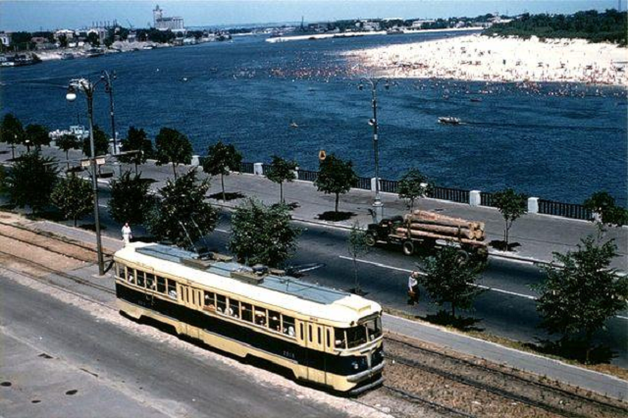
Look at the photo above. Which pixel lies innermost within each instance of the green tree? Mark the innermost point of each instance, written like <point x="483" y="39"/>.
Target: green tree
<point x="93" y="39"/>
<point x="67" y="142"/>
<point x="262" y="234"/>
<point x="136" y="140"/>
<point x="577" y="298"/>
<point x="73" y="196"/>
<point x="36" y="135"/>
<point x="357" y="247"/>
<point x="173" y="147"/>
<point x="182" y="211"/>
<point x="63" y="41"/>
<point x="603" y="204"/>
<point x="101" y="143"/>
<point x="131" y="200"/>
<point x="335" y="176"/>
<point x="3" y="180"/>
<point x="412" y="185"/>
<point x="221" y="159"/>
<point x="511" y="205"/>
<point x="31" y="181"/>
<point x="11" y="132"/>
<point x="448" y="279"/>
<point x="281" y="170"/>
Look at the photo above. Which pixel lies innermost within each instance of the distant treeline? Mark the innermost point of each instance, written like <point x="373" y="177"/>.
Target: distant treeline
<point x="596" y="27"/>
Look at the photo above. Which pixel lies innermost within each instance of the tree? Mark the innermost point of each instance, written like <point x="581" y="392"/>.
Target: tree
<point x="37" y="135"/>
<point x="578" y="298"/>
<point x="182" y="211"/>
<point x="101" y="143"/>
<point x="221" y="159"/>
<point x="412" y="185"/>
<point x="63" y="41"/>
<point x="262" y="234"/>
<point x="67" y="142"/>
<point x="335" y="176"/>
<point x="357" y="246"/>
<point x="130" y="199"/>
<point x="511" y="205"/>
<point x="281" y="170"/>
<point x="603" y="204"/>
<point x="31" y="181"/>
<point x="93" y="39"/>
<point x="11" y="132"/>
<point x="173" y="147"/>
<point x="73" y="196"/>
<point x="448" y="279"/>
<point x="136" y="140"/>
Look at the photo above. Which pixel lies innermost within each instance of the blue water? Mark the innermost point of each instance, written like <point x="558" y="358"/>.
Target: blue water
<point x="248" y="92"/>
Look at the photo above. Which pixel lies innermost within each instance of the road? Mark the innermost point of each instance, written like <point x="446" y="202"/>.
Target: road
<point x="120" y="368"/>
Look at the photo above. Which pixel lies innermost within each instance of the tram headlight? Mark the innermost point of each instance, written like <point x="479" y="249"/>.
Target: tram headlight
<point x="355" y="364"/>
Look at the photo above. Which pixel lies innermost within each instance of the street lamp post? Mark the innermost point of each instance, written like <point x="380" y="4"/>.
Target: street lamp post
<point x="378" y="205"/>
<point x="88" y="88"/>
<point x="108" y="78"/>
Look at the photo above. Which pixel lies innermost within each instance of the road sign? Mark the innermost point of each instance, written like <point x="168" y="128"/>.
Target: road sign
<point x="87" y="162"/>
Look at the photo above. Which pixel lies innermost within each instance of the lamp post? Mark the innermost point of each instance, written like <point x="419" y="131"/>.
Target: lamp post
<point x="378" y="206"/>
<point x="108" y="78"/>
<point x="87" y="87"/>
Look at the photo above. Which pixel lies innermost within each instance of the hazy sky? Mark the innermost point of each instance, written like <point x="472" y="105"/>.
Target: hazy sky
<point x="34" y="15"/>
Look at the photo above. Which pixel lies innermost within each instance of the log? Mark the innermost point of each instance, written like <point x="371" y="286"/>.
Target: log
<point x="423" y="234"/>
<point x="444" y="230"/>
<point x="419" y="215"/>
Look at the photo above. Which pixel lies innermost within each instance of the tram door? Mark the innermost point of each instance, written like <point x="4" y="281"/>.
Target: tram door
<point x="191" y="299"/>
<point x="316" y="354"/>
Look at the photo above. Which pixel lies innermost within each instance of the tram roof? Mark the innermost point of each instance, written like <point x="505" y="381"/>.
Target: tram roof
<point x="350" y="305"/>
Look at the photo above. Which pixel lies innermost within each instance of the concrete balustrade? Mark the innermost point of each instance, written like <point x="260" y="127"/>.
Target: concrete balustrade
<point x="258" y="169"/>
<point x="475" y="198"/>
<point x="195" y="161"/>
<point x="533" y="205"/>
<point x="373" y="183"/>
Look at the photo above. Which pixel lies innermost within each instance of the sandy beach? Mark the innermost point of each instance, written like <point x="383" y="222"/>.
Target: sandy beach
<point x="483" y="58"/>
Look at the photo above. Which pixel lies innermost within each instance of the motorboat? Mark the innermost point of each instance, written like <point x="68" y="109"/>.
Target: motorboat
<point x="449" y="120"/>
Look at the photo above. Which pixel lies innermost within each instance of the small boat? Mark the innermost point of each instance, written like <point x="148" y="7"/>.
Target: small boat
<point x="476" y="99"/>
<point x="293" y="124"/>
<point x="449" y="120"/>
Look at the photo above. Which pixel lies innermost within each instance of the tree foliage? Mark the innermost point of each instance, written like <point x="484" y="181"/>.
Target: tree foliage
<point x="603" y="204"/>
<point x="136" y="140"/>
<point x="412" y="185"/>
<point x="335" y="176"/>
<point x="279" y="171"/>
<point x="448" y="279"/>
<point x="357" y="247"/>
<point x="73" y="196"/>
<point x="130" y="199"/>
<point x="511" y="205"/>
<point x="11" y="131"/>
<point x="66" y="142"/>
<point x="93" y="39"/>
<point x="101" y="143"/>
<point x="182" y="211"/>
<point x="262" y="234"/>
<point x="173" y="148"/>
<point x="37" y="135"/>
<point x="221" y="159"/>
<point x="578" y="298"/>
<point x="31" y="181"/>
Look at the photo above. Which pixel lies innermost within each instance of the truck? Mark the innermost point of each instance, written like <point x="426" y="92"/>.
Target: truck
<point x="423" y="230"/>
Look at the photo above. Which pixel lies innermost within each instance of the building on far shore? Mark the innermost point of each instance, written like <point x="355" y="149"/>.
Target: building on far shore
<point x="174" y="24"/>
<point x="5" y="38"/>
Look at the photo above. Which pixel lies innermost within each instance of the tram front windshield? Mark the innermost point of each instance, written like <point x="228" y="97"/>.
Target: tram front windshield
<point x="367" y="331"/>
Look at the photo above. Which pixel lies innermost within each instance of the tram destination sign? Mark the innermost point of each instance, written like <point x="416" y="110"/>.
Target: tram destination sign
<point x="87" y="162"/>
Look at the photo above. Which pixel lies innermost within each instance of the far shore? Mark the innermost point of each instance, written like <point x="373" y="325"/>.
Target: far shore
<point x="320" y="36"/>
<point x="497" y="59"/>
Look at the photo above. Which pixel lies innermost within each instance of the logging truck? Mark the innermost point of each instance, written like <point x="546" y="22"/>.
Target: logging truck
<point x="427" y="230"/>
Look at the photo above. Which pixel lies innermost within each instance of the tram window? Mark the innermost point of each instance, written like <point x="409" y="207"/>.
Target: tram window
<point x="302" y="333"/>
<point x="161" y="284"/>
<point x="234" y="308"/>
<point x="374" y="328"/>
<point x="328" y="339"/>
<point x="356" y="336"/>
<point x="288" y="325"/>
<point x="340" y="338"/>
<point x="140" y="278"/>
<point x="320" y="339"/>
<point x="260" y="316"/>
<point x="274" y="322"/>
<point x="121" y="271"/>
<point x="131" y="275"/>
<point x="209" y="299"/>
<point x="172" y="289"/>
<point x="150" y="281"/>
<point x="311" y="337"/>
<point x="247" y="312"/>
<point x="221" y="303"/>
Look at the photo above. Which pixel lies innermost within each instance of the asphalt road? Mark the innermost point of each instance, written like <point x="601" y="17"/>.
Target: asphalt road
<point x="151" y="378"/>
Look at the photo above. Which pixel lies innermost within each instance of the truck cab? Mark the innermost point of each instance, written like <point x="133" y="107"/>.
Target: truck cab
<point x="381" y="231"/>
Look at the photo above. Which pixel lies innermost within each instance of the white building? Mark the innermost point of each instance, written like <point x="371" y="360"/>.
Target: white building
<point x="69" y="34"/>
<point x="5" y="38"/>
<point x="175" y="24"/>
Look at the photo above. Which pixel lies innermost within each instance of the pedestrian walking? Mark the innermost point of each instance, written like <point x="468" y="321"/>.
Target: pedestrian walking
<point x="413" y="288"/>
<point x="126" y="233"/>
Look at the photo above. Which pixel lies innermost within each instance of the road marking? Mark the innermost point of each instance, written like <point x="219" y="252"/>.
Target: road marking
<point x="224" y="231"/>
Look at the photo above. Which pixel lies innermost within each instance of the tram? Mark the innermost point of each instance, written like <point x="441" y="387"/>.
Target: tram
<point x="324" y="336"/>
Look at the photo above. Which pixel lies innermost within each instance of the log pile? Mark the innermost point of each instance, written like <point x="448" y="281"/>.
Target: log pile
<point x="422" y="224"/>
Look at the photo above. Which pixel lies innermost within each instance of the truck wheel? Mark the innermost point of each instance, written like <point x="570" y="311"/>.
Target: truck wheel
<point x="370" y="240"/>
<point x="462" y="256"/>
<point x="408" y="247"/>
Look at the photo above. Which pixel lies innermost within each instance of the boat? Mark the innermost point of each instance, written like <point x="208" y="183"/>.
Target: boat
<point x="78" y="131"/>
<point x="449" y="120"/>
<point x="476" y="99"/>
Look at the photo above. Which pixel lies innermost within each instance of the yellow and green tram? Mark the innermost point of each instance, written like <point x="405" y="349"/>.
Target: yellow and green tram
<point x="322" y="335"/>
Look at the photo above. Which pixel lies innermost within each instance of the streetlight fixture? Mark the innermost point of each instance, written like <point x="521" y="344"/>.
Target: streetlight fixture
<point x="378" y="205"/>
<point x="88" y="88"/>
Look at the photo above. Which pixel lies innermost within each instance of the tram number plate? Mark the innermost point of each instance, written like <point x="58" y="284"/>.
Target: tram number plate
<point x="290" y="355"/>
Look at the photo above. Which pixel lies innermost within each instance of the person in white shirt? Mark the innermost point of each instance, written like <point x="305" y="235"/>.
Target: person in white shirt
<point x="126" y="233"/>
<point x="413" y="288"/>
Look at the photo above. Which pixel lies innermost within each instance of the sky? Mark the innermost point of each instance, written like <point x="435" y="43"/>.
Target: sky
<point x="32" y="15"/>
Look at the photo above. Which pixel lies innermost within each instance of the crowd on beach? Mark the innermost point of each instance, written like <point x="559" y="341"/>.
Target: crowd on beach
<point x="484" y="58"/>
